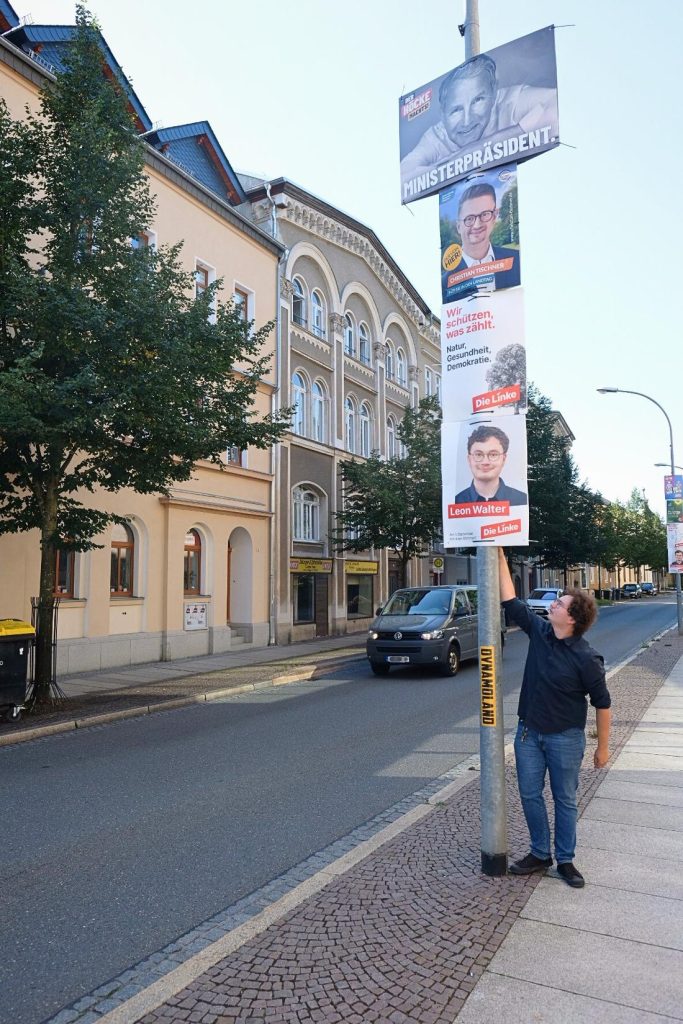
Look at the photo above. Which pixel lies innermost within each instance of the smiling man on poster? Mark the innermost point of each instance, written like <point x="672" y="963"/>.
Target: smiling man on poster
<point x="487" y="449"/>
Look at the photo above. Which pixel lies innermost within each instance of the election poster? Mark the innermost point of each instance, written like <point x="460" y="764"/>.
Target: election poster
<point x="499" y="107"/>
<point x="483" y="356"/>
<point x="674" y="511"/>
<point x="484" y="474"/>
<point x="673" y="487"/>
<point x="479" y="227"/>
<point x="674" y="545"/>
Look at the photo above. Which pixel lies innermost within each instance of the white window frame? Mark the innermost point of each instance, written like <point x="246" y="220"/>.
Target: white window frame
<point x="299" y="297"/>
<point x="401" y="368"/>
<point x="365" y="430"/>
<point x="319" y="403"/>
<point x="391" y="437"/>
<point x="389" y="361"/>
<point x="364" y="344"/>
<point x="298" y="398"/>
<point x="318" y="314"/>
<point x="305" y="515"/>
<point x="429" y="381"/>
<point x="200" y="264"/>
<point x="350" y="414"/>
<point x="349" y="335"/>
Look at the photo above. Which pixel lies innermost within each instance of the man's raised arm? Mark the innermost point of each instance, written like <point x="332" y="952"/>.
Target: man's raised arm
<point x="507" y="587"/>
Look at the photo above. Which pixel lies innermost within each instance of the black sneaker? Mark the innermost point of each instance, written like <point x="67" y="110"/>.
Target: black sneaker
<point x="569" y="874"/>
<point x="527" y="865"/>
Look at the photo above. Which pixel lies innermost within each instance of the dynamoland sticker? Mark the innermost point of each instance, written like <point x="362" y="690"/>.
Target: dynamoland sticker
<point x="487" y="672"/>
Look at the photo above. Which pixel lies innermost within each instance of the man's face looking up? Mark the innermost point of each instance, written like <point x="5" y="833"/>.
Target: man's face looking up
<point x="466" y="109"/>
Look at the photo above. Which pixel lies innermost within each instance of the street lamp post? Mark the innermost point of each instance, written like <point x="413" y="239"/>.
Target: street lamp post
<point x="672" y="464"/>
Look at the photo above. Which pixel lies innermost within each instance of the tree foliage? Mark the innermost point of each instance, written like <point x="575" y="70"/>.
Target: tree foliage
<point x="395" y="503"/>
<point x="112" y="375"/>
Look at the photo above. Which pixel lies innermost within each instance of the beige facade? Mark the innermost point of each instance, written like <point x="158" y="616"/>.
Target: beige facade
<point x="230" y="509"/>
<point x="359" y="345"/>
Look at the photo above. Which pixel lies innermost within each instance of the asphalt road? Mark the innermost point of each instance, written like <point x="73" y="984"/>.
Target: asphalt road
<point x="120" y="838"/>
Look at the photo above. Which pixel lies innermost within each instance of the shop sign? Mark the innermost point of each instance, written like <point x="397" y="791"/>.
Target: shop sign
<point x="310" y="565"/>
<point x="367" y="568"/>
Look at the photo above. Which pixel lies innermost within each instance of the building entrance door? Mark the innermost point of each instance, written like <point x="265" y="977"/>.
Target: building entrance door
<point x="321" y="614"/>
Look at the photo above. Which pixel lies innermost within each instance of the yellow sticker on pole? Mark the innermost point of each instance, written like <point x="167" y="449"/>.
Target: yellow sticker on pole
<point x="487" y="674"/>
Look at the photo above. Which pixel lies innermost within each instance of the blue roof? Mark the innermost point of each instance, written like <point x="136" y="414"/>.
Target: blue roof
<point x="197" y="150"/>
<point x="8" y="16"/>
<point x="50" y="43"/>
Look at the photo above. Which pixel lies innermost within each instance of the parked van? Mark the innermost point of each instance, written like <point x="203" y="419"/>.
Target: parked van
<point x="434" y="626"/>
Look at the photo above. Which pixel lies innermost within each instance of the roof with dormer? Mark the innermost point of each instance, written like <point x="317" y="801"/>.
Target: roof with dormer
<point x="48" y="45"/>
<point x="195" y="148"/>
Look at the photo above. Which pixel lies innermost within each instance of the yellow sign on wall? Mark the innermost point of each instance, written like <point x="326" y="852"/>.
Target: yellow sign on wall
<point x="361" y="567"/>
<point x="487" y="674"/>
<point x="310" y="565"/>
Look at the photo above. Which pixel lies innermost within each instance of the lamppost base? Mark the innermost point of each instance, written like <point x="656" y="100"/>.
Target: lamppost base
<point x="494" y="864"/>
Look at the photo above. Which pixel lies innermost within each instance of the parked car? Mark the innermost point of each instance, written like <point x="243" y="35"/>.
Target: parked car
<point x="631" y="590"/>
<point x="649" y="589"/>
<point x="539" y="600"/>
<point x="429" y="626"/>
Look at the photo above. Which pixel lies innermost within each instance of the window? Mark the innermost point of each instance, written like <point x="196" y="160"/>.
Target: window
<point x="306" y="515"/>
<point x="193" y="560"/>
<point x="141" y="241"/>
<point x="298" y="303"/>
<point x="64" y="577"/>
<point x="349" y="335"/>
<point x="241" y="300"/>
<point x="359" y="604"/>
<point x="201" y="280"/>
<point x="233" y="456"/>
<point x="401" y="368"/>
<point x="350" y="423"/>
<point x="365" y="424"/>
<point x="298" y="400"/>
<point x="304" y="597"/>
<point x="437" y="385"/>
<point x="318" y="412"/>
<point x="429" y="381"/>
<point x="122" y="553"/>
<point x="364" y="344"/>
<point x="318" y="314"/>
<point x="391" y="438"/>
<point x="389" y="361"/>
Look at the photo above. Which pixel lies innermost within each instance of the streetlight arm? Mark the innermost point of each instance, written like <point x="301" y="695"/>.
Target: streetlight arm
<point x="641" y="394"/>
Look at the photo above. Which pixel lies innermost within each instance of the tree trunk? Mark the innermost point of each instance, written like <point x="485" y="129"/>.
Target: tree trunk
<point x="48" y="566"/>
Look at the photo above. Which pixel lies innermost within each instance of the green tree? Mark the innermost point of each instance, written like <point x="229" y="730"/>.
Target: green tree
<point x="509" y="367"/>
<point x="506" y="231"/>
<point x="111" y="374"/>
<point x="395" y="503"/>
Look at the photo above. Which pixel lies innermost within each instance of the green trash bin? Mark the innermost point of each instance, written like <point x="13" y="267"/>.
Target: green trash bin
<point x="16" y="637"/>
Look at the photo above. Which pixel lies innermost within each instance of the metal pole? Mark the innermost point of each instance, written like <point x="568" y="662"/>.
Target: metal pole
<point x="494" y="858"/>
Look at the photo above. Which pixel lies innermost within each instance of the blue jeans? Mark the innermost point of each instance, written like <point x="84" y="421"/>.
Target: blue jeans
<point x="560" y="754"/>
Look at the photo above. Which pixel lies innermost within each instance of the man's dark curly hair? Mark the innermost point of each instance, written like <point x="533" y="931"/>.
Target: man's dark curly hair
<point x="583" y="610"/>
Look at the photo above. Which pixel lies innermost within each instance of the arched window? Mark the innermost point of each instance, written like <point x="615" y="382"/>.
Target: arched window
<point x="349" y="335"/>
<point x="298" y="303"/>
<point x="401" y="368"/>
<point x="364" y="344"/>
<point x="65" y="562"/>
<point x="391" y="438"/>
<point x="350" y="422"/>
<point x="389" y="361"/>
<point x="122" y="555"/>
<point x="193" y="562"/>
<point x="365" y="424"/>
<point x="298" y="400"/>
<point x="319" y="412"/>
<point x="318" y="314"/>
<point x="306" y="515"/>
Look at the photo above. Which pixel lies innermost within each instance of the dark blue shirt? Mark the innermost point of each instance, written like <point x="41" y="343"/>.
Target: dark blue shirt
<point x="558" y="675"/>
<point x="504" y="493"/>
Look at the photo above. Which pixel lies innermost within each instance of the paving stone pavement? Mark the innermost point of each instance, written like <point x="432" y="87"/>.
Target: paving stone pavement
<point x="404" y="935"/>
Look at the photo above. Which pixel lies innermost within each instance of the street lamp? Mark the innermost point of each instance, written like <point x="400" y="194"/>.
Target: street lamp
<point x="672" y="465"/>
<point x="665" y="465"/>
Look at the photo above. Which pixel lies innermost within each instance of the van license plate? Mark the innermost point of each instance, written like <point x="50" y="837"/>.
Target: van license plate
<point x="398" y="659"/>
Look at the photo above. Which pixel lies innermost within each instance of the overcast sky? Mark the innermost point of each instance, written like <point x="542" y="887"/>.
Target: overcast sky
<point x="309" y="91"/>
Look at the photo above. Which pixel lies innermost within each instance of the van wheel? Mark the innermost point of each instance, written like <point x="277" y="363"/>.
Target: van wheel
<point x="379" y="668"/>
<point x="450" y="666"/>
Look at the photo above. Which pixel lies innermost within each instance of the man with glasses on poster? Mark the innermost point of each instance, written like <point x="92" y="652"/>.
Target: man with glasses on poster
<point x="477" y="217"/>
<point x="561" y="671"/>
<point x="487" y="449"/>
